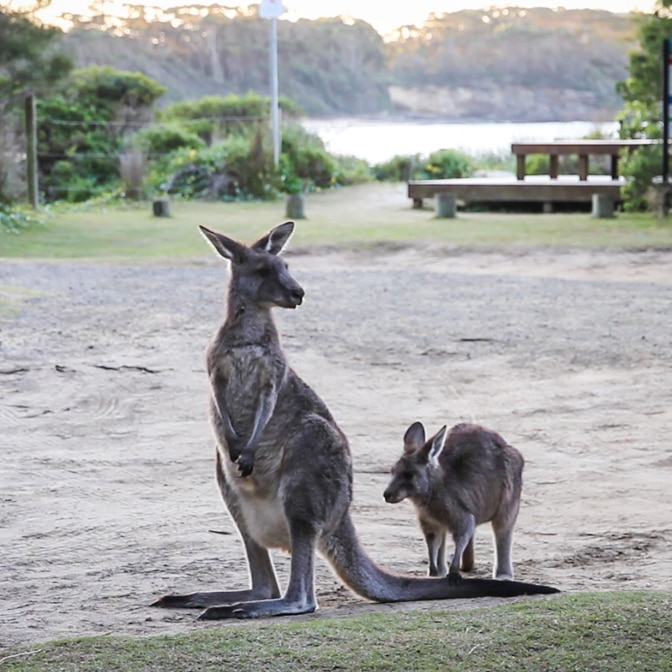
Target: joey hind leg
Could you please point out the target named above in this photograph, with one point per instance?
(435, 538)
(503, 542)
(502, 528)
(468, 556)
(463, 537)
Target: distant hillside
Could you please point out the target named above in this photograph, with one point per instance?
(495, 65)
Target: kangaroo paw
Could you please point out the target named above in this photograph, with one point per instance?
(245, 465)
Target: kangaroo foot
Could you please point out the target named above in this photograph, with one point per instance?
(454, 578)
(201, 600)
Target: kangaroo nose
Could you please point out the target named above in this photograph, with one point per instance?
(298, 294)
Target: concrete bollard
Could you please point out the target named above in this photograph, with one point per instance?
(445, 206)
(603, 206)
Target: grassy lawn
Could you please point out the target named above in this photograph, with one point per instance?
(352, 216)
(582, 632)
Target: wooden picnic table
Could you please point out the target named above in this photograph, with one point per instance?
(582, 148)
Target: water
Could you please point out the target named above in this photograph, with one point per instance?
(378, 141)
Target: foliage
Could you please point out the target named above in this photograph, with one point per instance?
(215, 117)
(398, 168)
(237, 168)
(440, 165)
(159, 140)
(641, 116)
(29, 56)
(445, 164)
(82, 130)
(15, 220)
(305, 163)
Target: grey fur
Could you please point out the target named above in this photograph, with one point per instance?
(283, 465)
(457, 480)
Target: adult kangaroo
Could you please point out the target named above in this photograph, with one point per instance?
(282, 463)
(456, 480)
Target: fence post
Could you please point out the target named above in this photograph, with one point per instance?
(31, 150)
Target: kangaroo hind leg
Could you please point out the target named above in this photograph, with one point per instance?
(299, 597)
(262, 576)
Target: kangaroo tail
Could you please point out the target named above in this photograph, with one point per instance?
(361, 574)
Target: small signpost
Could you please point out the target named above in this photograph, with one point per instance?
(667, 105)
(272, 9)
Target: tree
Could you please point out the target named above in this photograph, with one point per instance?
(642, 115)
(29, 61)
(29, 56)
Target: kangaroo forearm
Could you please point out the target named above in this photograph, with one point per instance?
(265, 408)
(225, 423)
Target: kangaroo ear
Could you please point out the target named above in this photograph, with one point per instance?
(414, 437)
(224, 246)
(436, 445)
(276, 239)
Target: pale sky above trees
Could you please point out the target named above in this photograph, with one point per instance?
(383, 16)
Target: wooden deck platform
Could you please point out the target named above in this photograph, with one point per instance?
(533, 189)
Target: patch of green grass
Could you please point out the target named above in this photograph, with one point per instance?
(596, 632)
(356, 216)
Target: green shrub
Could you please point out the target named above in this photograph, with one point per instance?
(15, 220)
(398, 169)
(446, 164)
(237, 168)
(306, 164)
(639, 169)
(159, 140)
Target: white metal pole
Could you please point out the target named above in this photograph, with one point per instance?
(275, 112)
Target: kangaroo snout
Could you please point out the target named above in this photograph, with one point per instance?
(297, 295)
(391, 497)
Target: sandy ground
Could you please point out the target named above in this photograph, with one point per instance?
(107, 493)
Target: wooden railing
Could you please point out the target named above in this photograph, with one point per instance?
(582, 148)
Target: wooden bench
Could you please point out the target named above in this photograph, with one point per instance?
(582, 148)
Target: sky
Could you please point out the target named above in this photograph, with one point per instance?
(383, 15)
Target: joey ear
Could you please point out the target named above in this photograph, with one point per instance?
(414, 437)
(276, 239)
(436, 445)
(223, 245)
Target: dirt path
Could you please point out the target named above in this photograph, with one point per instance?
(107, 495)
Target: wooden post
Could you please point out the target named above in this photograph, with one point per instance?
(583, 167)
(31, 150)
(520, 167)
(161, 207)
(294, 208)
(554, 166)
(445, 206)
